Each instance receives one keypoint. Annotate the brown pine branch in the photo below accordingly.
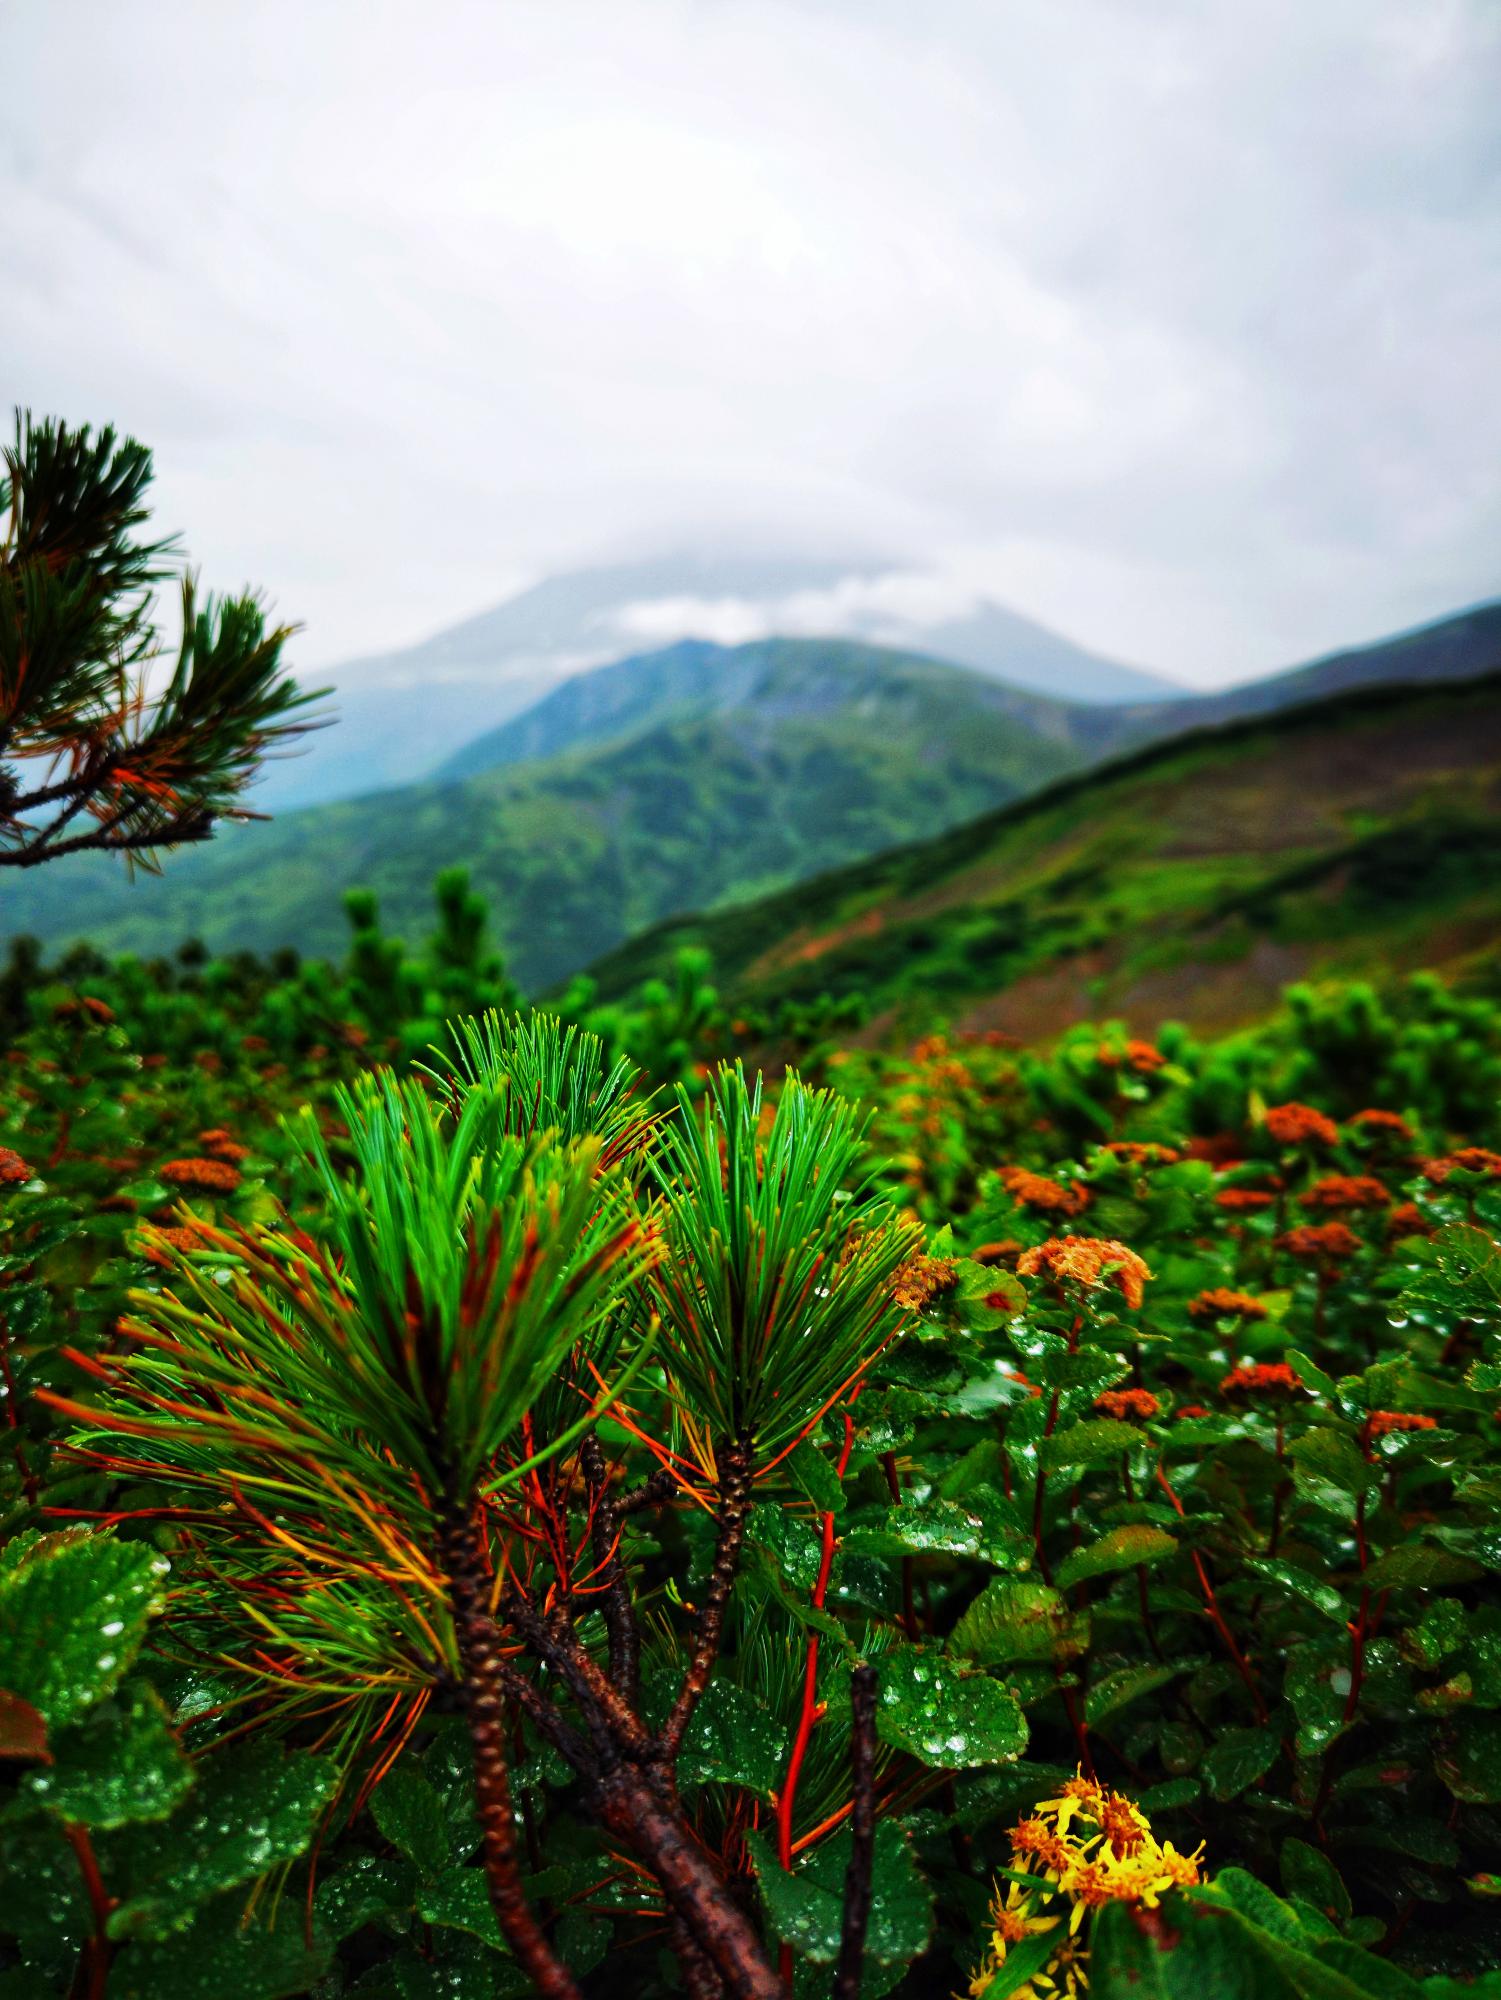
(482, 1663)
(734, 1505)
(858, 1876)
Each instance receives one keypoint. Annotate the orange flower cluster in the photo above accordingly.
(1221, 1303)
(213, 1176)
(1087, 1260)
(1300, 1125)
(95, 1010)
(1142, 1153)
(1382, 1423)
(222, 1145)
(1243, 1201)
(1408, 1220)
(1254, 1378)
(1001, 1252)
(1140, 1056)
(920, 1279)
(1029, 1190)
(1337, 1191)
(1193, 1410)
(12, 1166)
(163, 1240)
(1129, 1403)
(1220, 1149)
(1382, 1121)
(1317, 1240)
(1469, 1159)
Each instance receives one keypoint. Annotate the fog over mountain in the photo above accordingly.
(401, 714)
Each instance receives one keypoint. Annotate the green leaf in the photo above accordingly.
(1313, 1877)
(1417, 1566)
(1188, 1955)
(1322, 1596)
(73, 1613)
(1118, 1548)
(1238, 1758)
(461, 1902)
(812, 1474)
(370, 1887)
(934, 1527)
(733, 1739)
(1470, 1761)
(806, 1907)
(1329, 1469)
(931, 1707)
(122, 1763)
(1088, 1442)
(219, 1957)
(1124, 1685)
(409, 1812)
(251, 1808)
(1016, 1618)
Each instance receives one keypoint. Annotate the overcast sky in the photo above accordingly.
(1178, 326)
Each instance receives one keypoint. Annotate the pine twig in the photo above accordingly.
(858, 1876)
(734, 1505)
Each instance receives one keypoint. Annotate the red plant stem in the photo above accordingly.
(1216, 1616)
(92, 1977)
(809, 1713)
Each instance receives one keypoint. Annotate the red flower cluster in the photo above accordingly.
(1469, 1159)
(1140, 1056)
(1001, 1252)
(213, 1176)
(161, 1241)
(1300, 1125)
(1221, 1303)
(1254, 1378)
(12, 1166)
(1382, 1423)
(1193, 1410)
(1318, 1240)
(1142, 1153)
(219, 1142)
(1129, 1403)
(1029, 1190)
(1337, 1191)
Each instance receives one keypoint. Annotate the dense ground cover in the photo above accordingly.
(1083, 1528)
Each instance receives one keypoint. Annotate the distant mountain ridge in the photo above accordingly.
(749, 768)
(404, 714)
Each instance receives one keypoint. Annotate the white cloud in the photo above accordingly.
(1174, 325)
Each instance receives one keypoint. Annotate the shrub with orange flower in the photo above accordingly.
(1318, 1241)
(1127, 1403)
(1261, 1378)
(1382, 1121)
(920, 1279)
(1468, 1159)
(1336, 1191)
(1300, 1125)
(1142, 1152)
(1383, 1423)
(1219, 1302)
(1090, 1261)
(1407, 1219)
(13, 1167)
(1243, 1201)
(1048, 1197)
(212, 1176)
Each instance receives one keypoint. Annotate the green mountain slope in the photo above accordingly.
(1192, 878)
(783, 681)
(787, 759)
